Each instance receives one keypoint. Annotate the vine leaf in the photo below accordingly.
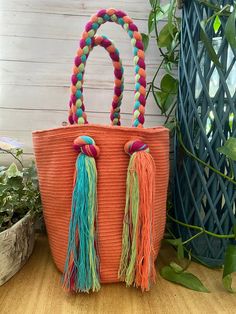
(229, 148)
(229, 267)
(151, 22)
(208, 46)
(182, 278)
(145, 39)
(165, 38)
(169, 84)
(154, 3)
(230, 30)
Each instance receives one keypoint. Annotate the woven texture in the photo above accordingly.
(55, 156)
(86, 44)
(55, 160)
(207, 118)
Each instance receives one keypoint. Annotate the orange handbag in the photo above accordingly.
(104, 188)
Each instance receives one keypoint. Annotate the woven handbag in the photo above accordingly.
(104, 188)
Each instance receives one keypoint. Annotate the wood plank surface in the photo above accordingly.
(36, 290)
(38, 40)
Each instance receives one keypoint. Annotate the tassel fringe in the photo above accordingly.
(81, 267)
(137, 261)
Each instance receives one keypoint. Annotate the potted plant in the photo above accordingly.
(19, 204)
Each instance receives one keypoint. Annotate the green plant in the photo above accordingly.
(167, 36)
(19, 191)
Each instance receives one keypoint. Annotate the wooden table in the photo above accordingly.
(36, 289)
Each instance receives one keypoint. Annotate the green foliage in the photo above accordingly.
(229, 267)
(145, 39)
(230, 30)
(167, 39)
(19, 193)
(229, 148)
(208, 45)
(167, 36)
(176, 274)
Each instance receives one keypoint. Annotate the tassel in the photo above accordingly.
(81, 267)
(137, 258)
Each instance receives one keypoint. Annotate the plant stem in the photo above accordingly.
(156, 33)
(5, 151)
(152, 82)
(193, 237)
(213, 6)
(169, 113)
(200, 160)
(202, 230)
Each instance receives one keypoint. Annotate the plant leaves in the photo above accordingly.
(208, 45)
(177, 268)
(230, 30)
(145, 39)
(216, 24)
(185, 279)
(170, 16)
(229, 148)
(171, 125)
(151, 22)
(169, 84)
(165, 38)
(165, 100)
(162, 12)
(154, 3)
(13, 171)
(229, 267)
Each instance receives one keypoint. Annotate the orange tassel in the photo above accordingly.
(137, 260)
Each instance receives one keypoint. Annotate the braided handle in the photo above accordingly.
(76, 111)
(119, 17)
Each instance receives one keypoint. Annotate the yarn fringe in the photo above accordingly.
(81, 267)
(137, 259)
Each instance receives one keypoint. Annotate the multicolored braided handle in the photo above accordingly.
(86, 43)
(76, 110)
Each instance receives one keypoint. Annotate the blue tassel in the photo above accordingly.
(81, 267)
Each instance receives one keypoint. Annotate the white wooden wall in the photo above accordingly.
(38, 41)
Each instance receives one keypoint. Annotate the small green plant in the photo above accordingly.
(19, 190)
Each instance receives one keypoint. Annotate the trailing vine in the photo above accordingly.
(167, 38)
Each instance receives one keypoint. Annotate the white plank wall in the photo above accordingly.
(38, 41)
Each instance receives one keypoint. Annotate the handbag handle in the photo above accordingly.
(119, 17)
(76, 111)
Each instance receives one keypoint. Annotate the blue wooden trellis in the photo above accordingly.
(206, 115)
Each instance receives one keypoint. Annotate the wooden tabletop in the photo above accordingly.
(36, 289)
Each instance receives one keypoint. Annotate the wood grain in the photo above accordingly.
(36, 290)
(38, 42)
